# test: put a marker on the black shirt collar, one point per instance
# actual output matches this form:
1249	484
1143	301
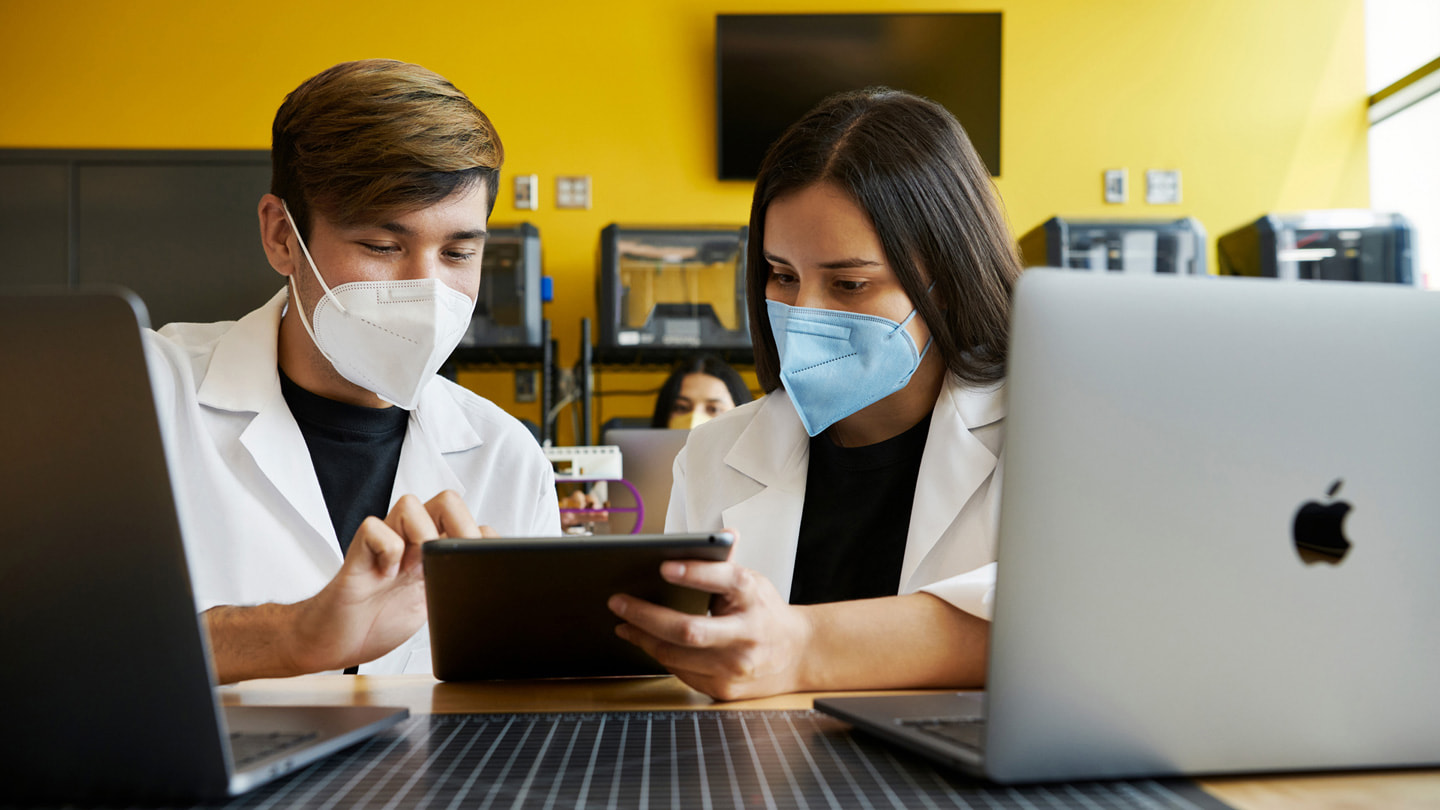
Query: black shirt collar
315	412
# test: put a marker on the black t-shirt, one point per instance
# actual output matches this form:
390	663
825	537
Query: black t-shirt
856	516
355	450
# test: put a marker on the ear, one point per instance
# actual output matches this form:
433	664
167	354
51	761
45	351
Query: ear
277	237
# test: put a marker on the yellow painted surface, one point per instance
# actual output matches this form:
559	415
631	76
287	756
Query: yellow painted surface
1260	103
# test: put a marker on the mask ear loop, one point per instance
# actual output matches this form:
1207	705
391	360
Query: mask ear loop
901	326
929	340
303	249
300	308
300	305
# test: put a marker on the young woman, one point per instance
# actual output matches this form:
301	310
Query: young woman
864	487
698	390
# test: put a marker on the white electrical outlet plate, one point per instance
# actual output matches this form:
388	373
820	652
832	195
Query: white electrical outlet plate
1117	185
1162	186
527	192
572	191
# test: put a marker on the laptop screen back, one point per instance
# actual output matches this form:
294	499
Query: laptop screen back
106	674
1165	442
648	458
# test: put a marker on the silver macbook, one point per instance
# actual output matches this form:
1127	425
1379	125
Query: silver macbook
647	456
109	693
1218	547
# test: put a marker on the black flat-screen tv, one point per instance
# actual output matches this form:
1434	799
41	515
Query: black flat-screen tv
772	68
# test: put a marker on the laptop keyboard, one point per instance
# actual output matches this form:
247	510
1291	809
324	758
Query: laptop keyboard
964	731
249	748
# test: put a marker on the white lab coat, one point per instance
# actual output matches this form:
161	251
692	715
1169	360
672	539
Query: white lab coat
255	523
746	469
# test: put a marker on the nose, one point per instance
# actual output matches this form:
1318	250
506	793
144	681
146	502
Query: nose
811	294
421	266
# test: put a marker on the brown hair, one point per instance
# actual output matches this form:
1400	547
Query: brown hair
909	165
368	139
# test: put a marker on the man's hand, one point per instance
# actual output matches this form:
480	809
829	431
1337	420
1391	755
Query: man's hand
373	604
377	601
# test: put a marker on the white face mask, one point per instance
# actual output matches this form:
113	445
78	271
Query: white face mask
388	337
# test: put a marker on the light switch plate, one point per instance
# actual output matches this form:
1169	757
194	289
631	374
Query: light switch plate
1117	185
527	189
1162	186
572	191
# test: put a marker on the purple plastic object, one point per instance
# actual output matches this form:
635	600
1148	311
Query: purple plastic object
638	508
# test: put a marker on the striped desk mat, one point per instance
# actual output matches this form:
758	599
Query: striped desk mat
673	759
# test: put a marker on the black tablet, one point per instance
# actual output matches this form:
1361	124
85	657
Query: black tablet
534	607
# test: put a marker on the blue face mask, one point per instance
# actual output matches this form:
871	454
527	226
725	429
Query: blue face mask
836	363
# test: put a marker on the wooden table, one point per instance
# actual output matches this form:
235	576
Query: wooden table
422	694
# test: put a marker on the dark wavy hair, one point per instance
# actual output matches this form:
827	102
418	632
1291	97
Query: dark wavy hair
909	165
699	364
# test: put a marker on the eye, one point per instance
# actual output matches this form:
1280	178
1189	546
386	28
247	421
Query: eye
459	256
381	250
782	277
850	285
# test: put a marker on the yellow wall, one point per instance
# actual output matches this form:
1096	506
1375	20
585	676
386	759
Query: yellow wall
1260	103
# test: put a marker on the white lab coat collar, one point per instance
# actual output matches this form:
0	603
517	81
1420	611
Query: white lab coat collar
774	451
243	377
242	374
954	466
437	427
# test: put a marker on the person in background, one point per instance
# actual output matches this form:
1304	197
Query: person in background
314	447
697	390
864	486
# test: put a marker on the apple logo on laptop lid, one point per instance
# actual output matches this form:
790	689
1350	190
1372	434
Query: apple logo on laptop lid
1318	530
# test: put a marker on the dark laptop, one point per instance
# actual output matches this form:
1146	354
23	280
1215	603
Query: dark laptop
107	684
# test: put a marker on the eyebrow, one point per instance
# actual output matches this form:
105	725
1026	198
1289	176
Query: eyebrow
837	264
457	236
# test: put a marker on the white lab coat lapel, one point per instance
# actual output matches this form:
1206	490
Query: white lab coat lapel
437	426
243	376
955	464
774	451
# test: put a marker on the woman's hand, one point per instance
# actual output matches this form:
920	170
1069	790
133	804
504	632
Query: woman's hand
753	643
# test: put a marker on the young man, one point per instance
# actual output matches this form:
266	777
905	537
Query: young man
293	429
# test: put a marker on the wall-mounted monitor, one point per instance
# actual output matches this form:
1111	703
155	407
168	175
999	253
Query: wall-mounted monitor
772	68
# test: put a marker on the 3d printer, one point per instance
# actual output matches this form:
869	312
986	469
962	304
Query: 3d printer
668	290
1336	245
1118	245
507	310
